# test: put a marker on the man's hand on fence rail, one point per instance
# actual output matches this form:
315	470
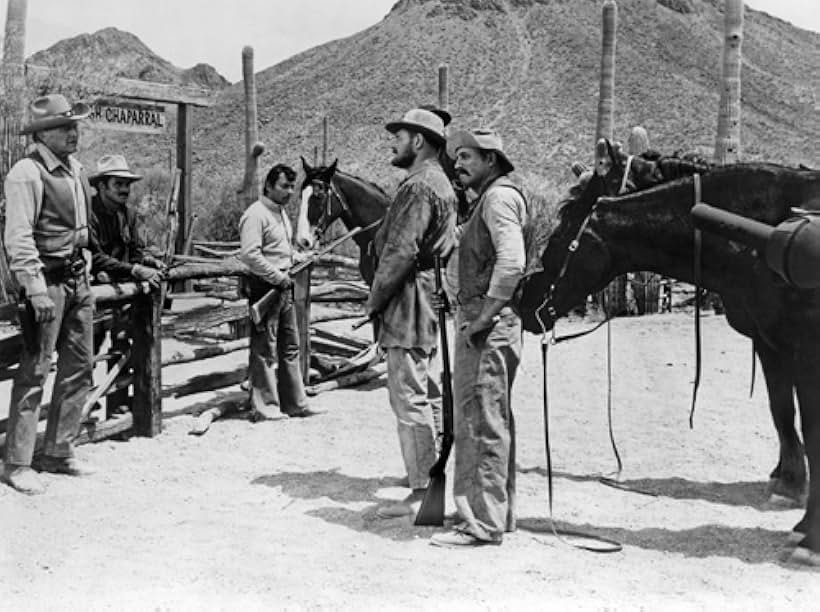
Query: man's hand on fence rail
144	273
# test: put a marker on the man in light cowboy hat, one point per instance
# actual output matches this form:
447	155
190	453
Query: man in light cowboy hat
482	277
417	226
47	238
122	254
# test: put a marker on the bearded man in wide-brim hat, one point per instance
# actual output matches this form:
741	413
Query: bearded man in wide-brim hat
417	227
47	239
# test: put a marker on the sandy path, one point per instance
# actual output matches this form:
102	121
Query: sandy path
282	514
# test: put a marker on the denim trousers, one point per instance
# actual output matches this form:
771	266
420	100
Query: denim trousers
483	376
407	386
70	334
276	341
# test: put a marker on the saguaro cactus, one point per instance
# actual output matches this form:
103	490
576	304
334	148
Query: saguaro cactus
727	144
253	148
606	95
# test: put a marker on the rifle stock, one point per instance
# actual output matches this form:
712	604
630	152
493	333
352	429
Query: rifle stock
261	306
431	512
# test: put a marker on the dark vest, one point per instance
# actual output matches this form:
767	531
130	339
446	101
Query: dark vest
476	255
55	227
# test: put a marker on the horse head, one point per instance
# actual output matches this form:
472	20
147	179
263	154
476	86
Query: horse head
572	249
319	208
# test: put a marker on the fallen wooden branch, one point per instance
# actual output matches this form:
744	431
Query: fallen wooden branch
216	252
106	383
187	355
347	381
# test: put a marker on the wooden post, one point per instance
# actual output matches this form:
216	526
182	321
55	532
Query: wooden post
727	143
301	298
184	125
324	140
443	84
147	360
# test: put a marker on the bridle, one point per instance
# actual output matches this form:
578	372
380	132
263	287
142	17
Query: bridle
547	306
330	191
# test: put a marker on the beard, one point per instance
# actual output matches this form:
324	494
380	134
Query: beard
404	158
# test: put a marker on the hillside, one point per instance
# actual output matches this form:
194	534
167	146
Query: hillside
526	67
113	53
530	69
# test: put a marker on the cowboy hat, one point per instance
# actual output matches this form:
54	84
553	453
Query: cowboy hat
487	140
445	116
113	165
422	121
53	110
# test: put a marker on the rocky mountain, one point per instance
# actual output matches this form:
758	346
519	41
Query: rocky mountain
528	68
113	53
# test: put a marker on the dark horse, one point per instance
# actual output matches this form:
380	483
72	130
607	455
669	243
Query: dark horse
652	230
329	194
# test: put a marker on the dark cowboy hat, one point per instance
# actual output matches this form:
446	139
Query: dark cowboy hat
445	116
113	165
52	111
422	121
488	140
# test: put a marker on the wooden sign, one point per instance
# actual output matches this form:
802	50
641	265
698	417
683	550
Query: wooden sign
128	116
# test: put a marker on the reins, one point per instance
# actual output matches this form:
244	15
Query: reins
698	246
606	545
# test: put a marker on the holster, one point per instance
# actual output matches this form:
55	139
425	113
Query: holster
28	324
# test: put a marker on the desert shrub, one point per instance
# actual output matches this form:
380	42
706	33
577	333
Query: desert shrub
221	222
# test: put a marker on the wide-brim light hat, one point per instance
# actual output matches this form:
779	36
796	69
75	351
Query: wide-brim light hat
423	121
113	165
488	140
53	110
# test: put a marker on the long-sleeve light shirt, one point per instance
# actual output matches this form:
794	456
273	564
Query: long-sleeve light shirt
265	235
491	245
24	188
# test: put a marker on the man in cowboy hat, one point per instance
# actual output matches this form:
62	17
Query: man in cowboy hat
417	227
483	276
122	254
47	238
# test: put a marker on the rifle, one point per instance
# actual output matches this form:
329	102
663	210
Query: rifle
431	512
261	307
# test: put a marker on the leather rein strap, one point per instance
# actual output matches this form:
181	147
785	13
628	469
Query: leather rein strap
698	246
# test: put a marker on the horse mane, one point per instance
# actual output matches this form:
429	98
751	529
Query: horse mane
366	182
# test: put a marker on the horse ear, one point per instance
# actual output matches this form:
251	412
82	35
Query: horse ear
305	165
332	168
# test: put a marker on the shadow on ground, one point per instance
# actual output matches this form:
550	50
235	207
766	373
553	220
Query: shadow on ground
746	544
345	489
752	494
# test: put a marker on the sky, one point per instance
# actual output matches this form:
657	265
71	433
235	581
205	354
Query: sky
186	32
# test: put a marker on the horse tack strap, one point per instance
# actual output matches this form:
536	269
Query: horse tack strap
625	177
698	246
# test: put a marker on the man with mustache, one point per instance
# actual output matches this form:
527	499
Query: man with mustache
122	254
47	243
482	277
416	228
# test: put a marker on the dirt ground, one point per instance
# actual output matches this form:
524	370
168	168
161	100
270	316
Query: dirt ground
282	514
